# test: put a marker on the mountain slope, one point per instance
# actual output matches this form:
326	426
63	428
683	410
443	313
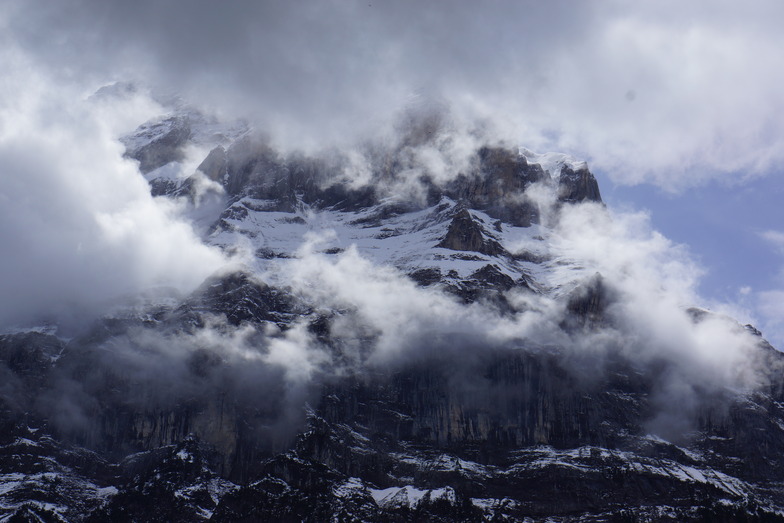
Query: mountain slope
397	346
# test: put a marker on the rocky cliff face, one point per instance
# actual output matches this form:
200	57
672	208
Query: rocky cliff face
465	234
498	185
161	143
191	409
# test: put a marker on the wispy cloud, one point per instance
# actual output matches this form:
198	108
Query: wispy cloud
775	238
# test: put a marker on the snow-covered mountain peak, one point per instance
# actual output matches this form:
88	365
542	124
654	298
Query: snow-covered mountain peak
553	163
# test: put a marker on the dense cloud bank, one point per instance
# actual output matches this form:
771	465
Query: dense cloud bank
666	93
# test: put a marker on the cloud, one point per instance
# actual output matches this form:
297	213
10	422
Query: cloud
380	320
666	93
654	283
384	318
79	227
775	238
381	307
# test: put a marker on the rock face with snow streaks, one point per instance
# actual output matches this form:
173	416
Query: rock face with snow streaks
263	396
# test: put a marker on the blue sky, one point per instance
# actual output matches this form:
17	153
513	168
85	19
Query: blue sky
723	226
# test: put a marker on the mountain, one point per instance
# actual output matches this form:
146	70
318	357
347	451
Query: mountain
411	335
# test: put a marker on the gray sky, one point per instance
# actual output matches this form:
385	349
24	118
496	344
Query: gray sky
674	98
658	92
653	92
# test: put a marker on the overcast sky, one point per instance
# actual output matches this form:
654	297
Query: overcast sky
677	106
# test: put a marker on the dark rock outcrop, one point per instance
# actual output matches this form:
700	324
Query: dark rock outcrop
495	184
466	234
166	139
588	304
215	165
254	169
240	298
498	185
426	277
578	186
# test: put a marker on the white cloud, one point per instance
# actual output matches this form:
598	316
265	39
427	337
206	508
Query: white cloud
704	94
662	92
79	227
380	302
655	281
384	318
775	238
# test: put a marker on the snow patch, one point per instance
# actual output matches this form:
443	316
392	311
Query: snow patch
349	488
553	163
410	496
